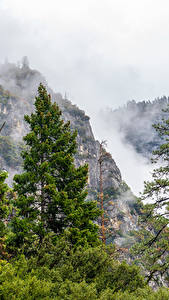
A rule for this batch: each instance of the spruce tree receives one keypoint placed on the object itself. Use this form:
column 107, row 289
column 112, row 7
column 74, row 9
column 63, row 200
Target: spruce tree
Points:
column 153, row 237
column 51, row 191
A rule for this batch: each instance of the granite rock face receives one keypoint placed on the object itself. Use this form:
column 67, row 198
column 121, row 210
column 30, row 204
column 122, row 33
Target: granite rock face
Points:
column 17, row 92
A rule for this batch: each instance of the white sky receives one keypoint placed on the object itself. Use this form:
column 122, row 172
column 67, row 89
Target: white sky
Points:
column 101, row 53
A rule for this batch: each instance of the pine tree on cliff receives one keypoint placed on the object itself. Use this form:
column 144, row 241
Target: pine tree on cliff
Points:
column 51, row 190
column 153, row 237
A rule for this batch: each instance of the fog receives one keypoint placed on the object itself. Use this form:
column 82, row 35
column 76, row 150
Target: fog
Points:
column 134, row 167
column 101, row 54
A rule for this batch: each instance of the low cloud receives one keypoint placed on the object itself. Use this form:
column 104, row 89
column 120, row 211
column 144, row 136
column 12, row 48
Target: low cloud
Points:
column 134, row 167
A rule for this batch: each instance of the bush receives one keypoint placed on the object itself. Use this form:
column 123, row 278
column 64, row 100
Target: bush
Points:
column 58, row 272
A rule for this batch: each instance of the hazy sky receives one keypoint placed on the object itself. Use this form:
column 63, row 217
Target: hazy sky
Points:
column 102, row 53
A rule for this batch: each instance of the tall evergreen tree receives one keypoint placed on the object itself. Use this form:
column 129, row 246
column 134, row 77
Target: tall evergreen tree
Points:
column 153, row 237
column 51, row 190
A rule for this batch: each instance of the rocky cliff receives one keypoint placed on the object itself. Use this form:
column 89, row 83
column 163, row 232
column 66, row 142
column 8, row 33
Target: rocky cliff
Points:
column 18, row 89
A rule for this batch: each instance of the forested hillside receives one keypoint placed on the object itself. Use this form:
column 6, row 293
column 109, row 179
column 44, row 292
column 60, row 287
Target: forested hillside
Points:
column 52, row 243
column 50, row 246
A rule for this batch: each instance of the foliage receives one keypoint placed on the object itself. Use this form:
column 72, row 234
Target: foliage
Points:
column 51, row 190
column 60, row 272
column 90, row 264
column 153, row 238
column 4, row 211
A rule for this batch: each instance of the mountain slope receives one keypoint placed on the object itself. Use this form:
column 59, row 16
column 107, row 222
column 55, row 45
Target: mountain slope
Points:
column 18, row 89
column 134, row 123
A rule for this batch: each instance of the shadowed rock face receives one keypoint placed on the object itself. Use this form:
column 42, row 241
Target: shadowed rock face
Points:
column 18, row 89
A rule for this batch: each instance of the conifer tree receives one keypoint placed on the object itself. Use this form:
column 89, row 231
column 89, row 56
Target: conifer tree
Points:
column 4, row 211
column 51, row 190
column 3, row 202
column 153, row 237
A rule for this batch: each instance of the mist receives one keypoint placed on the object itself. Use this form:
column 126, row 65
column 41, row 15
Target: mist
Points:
column 134, row 167
column 100, row 54
column 132, row 138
